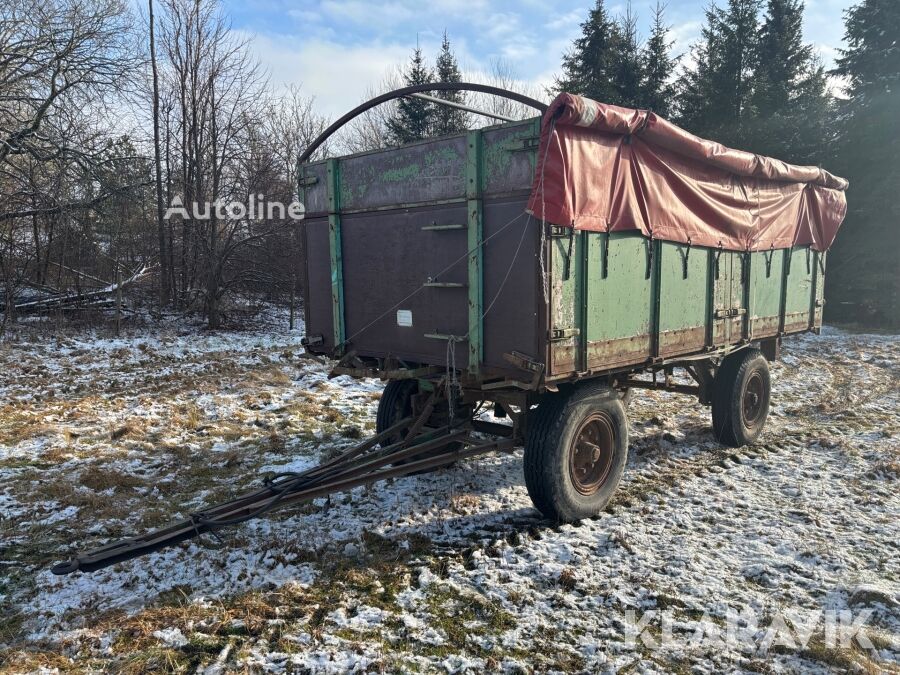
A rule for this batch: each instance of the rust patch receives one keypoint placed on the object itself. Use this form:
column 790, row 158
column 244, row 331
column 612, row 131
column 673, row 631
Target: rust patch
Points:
column 619, row 352
column 763, row 326
column 682, row 341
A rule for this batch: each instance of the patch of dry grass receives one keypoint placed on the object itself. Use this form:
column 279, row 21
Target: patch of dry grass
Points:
column 99, row 478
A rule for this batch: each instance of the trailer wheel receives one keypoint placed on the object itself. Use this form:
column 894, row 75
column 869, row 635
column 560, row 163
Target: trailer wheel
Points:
column 394, row 405
column 575, row 453
column 741, row 395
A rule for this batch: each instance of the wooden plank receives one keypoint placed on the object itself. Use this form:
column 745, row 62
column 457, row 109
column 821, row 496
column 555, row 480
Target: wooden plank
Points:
column 474, row 184
column 334, row 248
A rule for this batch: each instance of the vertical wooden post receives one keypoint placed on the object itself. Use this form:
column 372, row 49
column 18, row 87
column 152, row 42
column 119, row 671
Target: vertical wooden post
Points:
column 333, row 186
column 474, row 184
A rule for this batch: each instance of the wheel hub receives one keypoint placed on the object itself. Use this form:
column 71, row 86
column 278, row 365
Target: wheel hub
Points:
column 591, row 453
column 752, row 400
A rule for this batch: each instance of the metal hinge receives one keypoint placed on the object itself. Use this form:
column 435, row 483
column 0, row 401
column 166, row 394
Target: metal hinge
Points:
column 443, row 284
column 520, row 144
column 312, row 340
column 434, row 227
column 563, row 333
column 523, row 361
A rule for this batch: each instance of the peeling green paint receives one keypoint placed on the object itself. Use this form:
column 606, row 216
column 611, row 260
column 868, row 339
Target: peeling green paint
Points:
column 401, row 173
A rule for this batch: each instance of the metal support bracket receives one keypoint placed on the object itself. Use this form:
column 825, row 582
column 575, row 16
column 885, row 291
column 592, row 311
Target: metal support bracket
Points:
column 604, row 269
column 685, row 258
column 769, row 255
column 567, row 267
column 434, row 227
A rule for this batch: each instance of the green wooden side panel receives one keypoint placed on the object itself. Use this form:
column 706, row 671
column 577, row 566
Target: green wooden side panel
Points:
column 684, row 298
column 798, row 288
column 619, row 304
column 819, row 295
column 603, row 303
column 565, row 319
column 602, row 312
column 335, row 251
column 766, row 271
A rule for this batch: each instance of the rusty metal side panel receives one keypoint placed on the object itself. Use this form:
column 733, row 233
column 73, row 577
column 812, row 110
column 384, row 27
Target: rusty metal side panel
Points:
column 511, row 283
column 433, row 170
column 388, row 256
column 314, row 188
column 317, row 294
column 508, row 157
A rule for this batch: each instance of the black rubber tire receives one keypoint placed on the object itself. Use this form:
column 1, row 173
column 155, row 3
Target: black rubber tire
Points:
column 395, row 404
column 742, row 378
column 550, row 439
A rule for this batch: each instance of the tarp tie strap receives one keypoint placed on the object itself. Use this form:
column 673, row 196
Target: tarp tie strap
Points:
column 604, row 272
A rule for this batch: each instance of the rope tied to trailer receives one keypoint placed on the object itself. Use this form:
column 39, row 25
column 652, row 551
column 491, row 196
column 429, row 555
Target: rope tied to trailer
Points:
column 452, row 376
column 545, row 282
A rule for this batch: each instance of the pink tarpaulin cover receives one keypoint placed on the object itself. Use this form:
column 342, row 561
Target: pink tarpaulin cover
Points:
column 607, row 168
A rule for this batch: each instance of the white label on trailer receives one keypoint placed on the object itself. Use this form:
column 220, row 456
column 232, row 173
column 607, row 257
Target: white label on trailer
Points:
column 404, row 317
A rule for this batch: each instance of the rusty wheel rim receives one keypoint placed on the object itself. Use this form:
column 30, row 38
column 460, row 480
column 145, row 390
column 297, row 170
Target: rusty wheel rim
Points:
column 752, row 400
column 591, row 453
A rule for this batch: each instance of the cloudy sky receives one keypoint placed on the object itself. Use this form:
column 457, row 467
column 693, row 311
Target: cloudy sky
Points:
column 338, row 48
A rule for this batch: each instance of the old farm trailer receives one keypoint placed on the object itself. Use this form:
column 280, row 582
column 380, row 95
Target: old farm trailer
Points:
column 544, row 268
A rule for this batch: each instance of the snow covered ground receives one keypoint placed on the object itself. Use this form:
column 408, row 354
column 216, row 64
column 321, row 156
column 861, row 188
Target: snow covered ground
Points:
column 452, row 571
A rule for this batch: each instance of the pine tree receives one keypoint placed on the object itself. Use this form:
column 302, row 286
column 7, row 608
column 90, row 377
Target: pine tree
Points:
column 589, row 68
column 697, row 86
column 414, row 116
column 658, row 89
column 791, row 107
column 449, row 120
column 862, row 283
column 715, row 96
column 781, row 59
column 627, row 64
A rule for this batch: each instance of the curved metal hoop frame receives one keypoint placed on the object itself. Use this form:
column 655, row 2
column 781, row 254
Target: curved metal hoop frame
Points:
column 416, row 89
